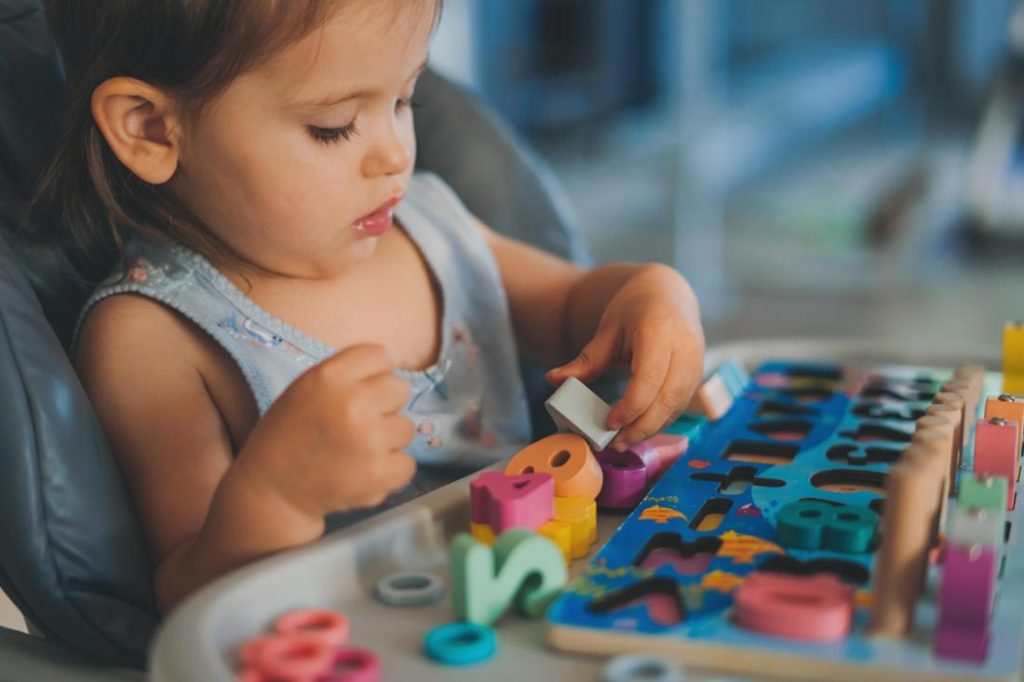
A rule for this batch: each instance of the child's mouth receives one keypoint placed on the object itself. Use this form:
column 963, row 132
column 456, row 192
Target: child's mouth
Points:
column 378, row 222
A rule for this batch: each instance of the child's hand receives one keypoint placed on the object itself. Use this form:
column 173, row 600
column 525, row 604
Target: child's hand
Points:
column 652, row 322
column 334, row 439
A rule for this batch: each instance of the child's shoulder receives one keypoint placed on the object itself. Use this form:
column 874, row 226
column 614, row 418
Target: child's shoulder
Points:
column 135, row 338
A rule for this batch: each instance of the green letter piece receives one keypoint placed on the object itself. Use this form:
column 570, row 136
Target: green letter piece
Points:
column 485, row 580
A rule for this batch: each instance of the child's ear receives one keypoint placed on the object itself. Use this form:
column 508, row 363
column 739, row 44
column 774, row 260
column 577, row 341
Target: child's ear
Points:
column 141, row 126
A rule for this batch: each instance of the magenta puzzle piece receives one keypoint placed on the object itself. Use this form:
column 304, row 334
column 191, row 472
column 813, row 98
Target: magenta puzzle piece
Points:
column 966, row 602
column 504, row 501
column 629, row 475
column 626, row 479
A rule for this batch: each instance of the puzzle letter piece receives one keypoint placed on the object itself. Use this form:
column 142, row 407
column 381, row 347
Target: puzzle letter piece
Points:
column 815, row 608
column 576, row 408
column 660, row 452
column 580, row 514
column 505, row 501
column 567, row 457
column 485, row 580
column 997, row 453
column 966, row 602
column 817, row 525
column 626, row 479
column 560, row 533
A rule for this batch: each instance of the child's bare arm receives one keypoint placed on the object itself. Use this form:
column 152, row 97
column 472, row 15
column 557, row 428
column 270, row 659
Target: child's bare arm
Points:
column 644, row 316
column 205, row 511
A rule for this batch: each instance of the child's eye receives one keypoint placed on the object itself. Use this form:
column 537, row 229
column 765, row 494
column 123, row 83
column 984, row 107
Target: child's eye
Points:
column 329, row 135
column 407, row 103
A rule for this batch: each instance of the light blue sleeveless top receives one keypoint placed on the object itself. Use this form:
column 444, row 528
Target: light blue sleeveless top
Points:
column 469, row 408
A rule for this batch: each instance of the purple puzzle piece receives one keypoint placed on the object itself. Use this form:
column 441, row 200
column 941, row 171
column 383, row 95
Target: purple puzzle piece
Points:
column 625, row 479
column 966, row 601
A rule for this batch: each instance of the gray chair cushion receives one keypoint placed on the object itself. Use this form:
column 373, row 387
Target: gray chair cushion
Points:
column 73, row 558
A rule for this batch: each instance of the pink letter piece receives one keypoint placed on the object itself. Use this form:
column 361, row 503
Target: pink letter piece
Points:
column 504, row 501
column 815, row 608
column 660, row 452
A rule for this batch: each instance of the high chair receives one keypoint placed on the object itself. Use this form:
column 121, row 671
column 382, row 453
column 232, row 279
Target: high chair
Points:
column 72, row 557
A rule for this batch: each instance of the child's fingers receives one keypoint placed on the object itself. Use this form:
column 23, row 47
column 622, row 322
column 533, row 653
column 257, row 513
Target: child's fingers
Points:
column 399, row 431
column 652, row 352
column 591, row 362
column 399, row 470
column 390, row 392
column 666, row 405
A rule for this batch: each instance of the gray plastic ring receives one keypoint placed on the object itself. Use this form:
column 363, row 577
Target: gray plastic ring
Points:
column 410, row 588
column 637, row 667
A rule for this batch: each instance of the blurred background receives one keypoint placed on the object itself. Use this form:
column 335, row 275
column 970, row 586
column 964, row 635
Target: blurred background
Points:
column 814, row 167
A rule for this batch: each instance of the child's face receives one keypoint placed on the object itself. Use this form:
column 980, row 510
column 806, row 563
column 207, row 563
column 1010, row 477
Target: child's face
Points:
column 254, row 171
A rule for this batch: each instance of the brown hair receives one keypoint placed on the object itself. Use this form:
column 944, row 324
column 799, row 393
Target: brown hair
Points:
column 192, row 49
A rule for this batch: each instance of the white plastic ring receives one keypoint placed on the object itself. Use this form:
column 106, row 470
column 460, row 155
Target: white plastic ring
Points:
column 410, row 588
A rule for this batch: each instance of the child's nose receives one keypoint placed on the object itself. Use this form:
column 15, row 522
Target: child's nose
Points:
column 390, row 155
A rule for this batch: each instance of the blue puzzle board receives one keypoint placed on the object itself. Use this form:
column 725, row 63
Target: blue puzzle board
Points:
column 826, row 432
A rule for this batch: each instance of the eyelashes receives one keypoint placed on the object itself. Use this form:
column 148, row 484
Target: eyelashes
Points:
column 349, row 130
column 333, row 135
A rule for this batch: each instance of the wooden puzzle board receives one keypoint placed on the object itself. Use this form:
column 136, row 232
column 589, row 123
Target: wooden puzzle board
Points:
column 600, row 611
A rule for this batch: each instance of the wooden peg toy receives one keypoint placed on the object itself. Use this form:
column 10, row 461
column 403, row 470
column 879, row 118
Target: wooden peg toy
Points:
column 937, row 441
column 944, row 424
column 574, row 407
column 970, row 392
column 997, row 453
column 568, row 458
column 1013, row 357
column 815, row 608
column 505, row 501
column 951, row 406
column 486, row 580
column 909, row 522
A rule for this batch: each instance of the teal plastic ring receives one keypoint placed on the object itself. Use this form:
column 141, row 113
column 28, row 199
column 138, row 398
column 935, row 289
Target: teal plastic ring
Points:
column 460, row 643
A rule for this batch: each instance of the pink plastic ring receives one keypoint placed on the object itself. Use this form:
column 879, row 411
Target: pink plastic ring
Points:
column 330, row 626
column 294, row 655
column 247, row 653
column 352, row 664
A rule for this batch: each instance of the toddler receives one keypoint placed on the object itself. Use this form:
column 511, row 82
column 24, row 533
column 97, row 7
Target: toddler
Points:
column 300, row 327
